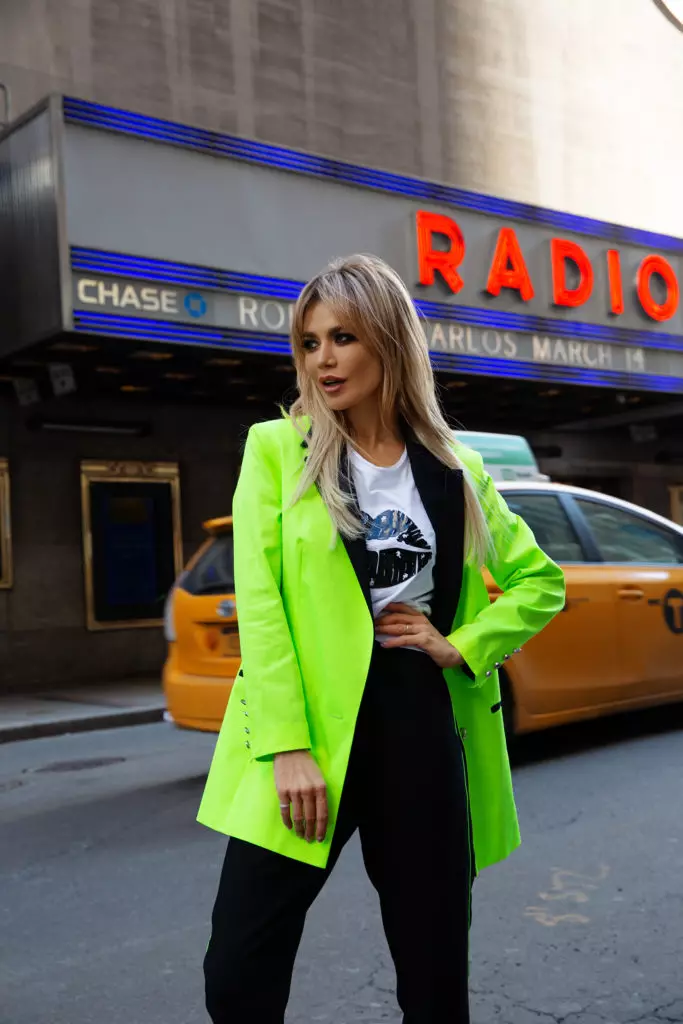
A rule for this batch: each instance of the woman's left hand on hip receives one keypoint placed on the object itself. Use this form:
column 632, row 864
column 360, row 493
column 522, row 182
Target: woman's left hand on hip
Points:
column 400, row 625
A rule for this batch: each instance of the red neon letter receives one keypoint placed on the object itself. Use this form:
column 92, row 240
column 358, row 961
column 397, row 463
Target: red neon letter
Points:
column 508, row 269
column 616, row 288
column 560, row 251
column 429, row 259
column 657, row 265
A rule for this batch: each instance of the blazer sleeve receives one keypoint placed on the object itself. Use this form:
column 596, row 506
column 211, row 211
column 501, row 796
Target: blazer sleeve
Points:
column 274, row 695
column 533, row 589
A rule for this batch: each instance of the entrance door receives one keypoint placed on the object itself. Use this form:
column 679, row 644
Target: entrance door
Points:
column 131, row 539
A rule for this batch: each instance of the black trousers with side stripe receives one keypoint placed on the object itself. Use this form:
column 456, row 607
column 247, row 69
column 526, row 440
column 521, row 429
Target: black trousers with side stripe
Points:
column 406, row 793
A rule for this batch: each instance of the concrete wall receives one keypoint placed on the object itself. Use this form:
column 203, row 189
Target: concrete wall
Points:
column 610, row 462
column 575, row 105
column 43, row 639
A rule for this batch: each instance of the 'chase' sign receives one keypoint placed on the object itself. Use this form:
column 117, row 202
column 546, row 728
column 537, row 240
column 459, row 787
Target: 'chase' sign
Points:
column 139, row 298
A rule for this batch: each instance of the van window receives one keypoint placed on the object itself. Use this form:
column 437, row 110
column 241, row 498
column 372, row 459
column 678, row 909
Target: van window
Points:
column 506, row 456
column 213, row 573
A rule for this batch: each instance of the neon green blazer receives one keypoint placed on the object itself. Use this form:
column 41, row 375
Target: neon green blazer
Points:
column 307, row 634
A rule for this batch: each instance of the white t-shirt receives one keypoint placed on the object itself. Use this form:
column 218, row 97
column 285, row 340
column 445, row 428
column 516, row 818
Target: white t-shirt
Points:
column 400, row 538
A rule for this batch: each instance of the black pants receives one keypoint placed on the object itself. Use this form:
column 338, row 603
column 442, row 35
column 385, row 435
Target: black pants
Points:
column 405, row 792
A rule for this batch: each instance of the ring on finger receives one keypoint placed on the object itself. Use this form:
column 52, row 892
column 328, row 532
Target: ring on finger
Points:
column 406, row 628
column 284, row 807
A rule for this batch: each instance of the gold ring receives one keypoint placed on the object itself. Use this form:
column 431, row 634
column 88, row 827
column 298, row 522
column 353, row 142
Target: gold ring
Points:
column 406, row 628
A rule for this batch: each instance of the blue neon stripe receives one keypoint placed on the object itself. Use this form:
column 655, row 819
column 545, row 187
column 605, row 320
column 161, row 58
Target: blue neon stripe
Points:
column 186, row 274
column 192, row 276
column 535, row 371
column 160, row 330
column 278, row 344
column 125, row 122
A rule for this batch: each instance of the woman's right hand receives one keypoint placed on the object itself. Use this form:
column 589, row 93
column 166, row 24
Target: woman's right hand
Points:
column 302, row 794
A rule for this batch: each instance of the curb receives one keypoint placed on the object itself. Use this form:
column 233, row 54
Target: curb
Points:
column 104, row 720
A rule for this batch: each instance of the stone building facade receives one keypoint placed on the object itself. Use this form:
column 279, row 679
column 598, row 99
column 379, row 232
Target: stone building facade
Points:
column 576, row 106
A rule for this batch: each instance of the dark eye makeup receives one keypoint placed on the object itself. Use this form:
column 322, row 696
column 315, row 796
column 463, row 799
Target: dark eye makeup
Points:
column 340, row 338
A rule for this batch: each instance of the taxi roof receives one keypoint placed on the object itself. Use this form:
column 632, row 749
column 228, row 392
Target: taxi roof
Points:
column 221, row 524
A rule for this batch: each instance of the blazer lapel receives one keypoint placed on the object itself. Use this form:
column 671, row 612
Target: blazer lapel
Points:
column 442, row 493
column 355, row 546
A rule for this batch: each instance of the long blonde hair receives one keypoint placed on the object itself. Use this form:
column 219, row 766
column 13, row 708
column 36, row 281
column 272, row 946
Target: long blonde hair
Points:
column 369, row 297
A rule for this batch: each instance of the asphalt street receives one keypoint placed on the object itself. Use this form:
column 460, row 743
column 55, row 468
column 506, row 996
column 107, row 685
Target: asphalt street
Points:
column 107, row 884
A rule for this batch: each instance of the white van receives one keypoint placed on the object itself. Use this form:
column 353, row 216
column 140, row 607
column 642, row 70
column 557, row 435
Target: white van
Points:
column 506, row 456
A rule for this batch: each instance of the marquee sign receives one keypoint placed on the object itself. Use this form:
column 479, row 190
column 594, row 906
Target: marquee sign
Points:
column 442, row 247
column 104, row 303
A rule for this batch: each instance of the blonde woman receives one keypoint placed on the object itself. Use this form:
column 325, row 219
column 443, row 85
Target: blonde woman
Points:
column 368, row 696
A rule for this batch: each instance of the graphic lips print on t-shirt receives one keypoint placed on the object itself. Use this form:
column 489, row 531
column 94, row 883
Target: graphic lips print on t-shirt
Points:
column 392, row 565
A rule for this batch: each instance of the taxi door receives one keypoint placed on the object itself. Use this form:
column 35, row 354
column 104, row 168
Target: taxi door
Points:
column 644, row 561
column 573, row 663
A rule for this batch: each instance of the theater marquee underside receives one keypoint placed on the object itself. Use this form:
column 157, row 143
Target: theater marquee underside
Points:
column 157, row 311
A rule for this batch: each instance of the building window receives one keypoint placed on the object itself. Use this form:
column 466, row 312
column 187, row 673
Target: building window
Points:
column 132, row 541
column 5, row 528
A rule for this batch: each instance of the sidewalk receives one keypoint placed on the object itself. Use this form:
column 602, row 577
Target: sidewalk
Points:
column 81, row 709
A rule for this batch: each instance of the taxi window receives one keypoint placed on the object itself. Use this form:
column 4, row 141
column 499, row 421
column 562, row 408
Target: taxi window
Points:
column 624, row 537
column 213, row 573
column 544, row 514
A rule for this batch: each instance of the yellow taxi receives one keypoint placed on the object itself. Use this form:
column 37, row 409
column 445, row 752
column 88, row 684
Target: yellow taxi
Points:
column 617, row 645
column 200, row 624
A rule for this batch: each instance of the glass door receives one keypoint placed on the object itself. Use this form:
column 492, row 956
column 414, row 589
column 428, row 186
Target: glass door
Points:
column 131, row 541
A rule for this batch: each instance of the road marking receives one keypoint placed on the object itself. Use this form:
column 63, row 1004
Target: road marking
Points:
column 541, row 916
column 566, row 885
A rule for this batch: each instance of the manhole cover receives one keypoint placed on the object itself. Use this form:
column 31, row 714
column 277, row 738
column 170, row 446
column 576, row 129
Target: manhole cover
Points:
column 79, row 766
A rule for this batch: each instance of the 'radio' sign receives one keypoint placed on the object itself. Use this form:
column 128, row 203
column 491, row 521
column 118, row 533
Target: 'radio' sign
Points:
column 572, row 269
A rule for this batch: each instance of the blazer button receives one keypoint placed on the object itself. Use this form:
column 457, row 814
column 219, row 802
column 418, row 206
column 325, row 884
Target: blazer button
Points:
column 463, row 733
column 488, row 673
column 242, row 700
column 518, row 650
column 248, row 745
column 247, row 730
column 498, row 665
column 506, row 657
